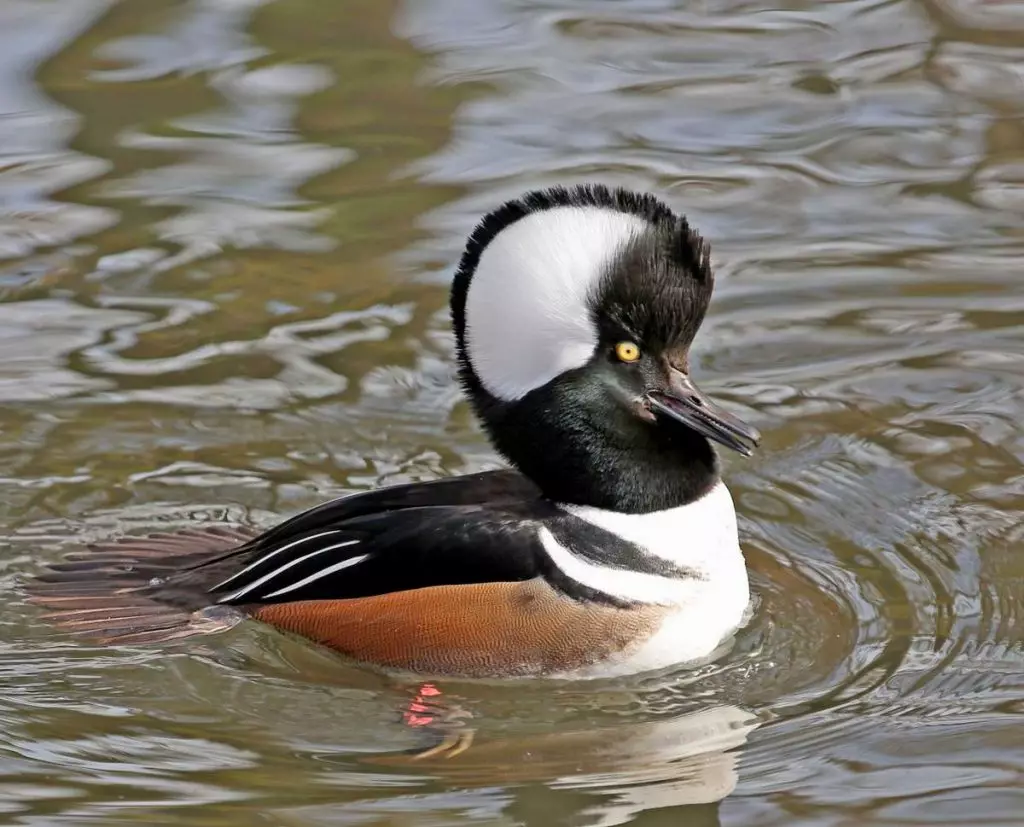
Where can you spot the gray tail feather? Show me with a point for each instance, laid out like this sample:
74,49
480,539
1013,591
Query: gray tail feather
138,589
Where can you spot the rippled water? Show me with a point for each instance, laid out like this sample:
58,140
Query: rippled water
227,228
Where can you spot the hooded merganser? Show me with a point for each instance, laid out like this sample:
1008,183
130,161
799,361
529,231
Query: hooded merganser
612,547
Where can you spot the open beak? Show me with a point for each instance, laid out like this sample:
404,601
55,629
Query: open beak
684,402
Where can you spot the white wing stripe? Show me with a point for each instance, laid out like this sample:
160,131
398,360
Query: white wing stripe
274,553
344,564
257,583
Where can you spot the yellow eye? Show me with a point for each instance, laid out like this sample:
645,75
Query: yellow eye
627,351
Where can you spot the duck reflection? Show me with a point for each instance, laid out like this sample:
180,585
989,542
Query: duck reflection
598,777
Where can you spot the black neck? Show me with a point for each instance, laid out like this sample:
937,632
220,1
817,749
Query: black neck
623,464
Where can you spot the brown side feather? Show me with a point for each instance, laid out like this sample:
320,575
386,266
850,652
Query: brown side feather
138,589
484,630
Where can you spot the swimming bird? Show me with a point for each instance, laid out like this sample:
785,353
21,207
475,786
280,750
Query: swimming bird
608,547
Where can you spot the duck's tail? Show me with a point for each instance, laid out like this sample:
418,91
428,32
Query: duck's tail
139,589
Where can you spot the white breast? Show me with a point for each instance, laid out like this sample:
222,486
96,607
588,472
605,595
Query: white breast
703,611
701,535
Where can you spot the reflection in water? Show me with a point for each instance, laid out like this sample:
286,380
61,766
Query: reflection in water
226,232
682,761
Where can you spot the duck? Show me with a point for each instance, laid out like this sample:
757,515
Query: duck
607,543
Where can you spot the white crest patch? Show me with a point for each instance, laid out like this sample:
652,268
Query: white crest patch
528,311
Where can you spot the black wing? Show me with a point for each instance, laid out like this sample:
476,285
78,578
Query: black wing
471,529
487,487
375,554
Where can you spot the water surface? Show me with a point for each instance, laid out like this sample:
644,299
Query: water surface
226,233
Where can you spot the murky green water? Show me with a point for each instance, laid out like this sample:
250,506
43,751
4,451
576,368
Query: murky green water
226,233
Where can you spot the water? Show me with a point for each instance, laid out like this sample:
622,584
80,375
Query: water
227,230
